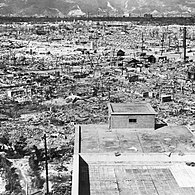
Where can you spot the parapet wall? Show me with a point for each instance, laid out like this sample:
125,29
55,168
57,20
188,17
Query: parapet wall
137,157
76,159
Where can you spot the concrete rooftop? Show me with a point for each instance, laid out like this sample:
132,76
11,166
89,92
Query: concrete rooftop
131,108
148,162
109,179
99,139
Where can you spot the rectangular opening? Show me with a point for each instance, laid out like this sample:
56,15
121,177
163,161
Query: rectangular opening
131,120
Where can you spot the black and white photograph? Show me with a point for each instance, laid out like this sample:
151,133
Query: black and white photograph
97,97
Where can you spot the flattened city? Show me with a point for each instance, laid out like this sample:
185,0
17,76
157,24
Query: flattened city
97,107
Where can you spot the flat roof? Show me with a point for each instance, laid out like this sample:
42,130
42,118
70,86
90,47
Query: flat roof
99,139
129,179
131,108
148,162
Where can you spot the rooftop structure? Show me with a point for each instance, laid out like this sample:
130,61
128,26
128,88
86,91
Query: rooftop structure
127,161
140,115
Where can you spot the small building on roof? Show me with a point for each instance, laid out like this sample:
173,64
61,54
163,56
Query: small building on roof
131,115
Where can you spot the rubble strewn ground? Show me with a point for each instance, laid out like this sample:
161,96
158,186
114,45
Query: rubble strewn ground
56,75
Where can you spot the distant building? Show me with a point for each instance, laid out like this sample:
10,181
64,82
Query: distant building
2,65
15,92
3,117
162,58
133,77
166,98
41,32
133,62
191,73
92,45
150,58
120,53
142,54
148,16
138,116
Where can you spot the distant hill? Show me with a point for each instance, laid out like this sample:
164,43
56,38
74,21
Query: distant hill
102,7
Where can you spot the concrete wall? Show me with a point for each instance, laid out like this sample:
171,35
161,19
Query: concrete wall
142,121
76,162
84,183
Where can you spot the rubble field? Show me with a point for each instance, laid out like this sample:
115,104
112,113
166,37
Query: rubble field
54,76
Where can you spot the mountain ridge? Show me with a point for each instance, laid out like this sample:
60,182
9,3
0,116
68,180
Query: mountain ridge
63,8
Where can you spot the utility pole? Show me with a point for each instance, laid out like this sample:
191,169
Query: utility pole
162,44
142,48
46,166
178,45
169,42
184,43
